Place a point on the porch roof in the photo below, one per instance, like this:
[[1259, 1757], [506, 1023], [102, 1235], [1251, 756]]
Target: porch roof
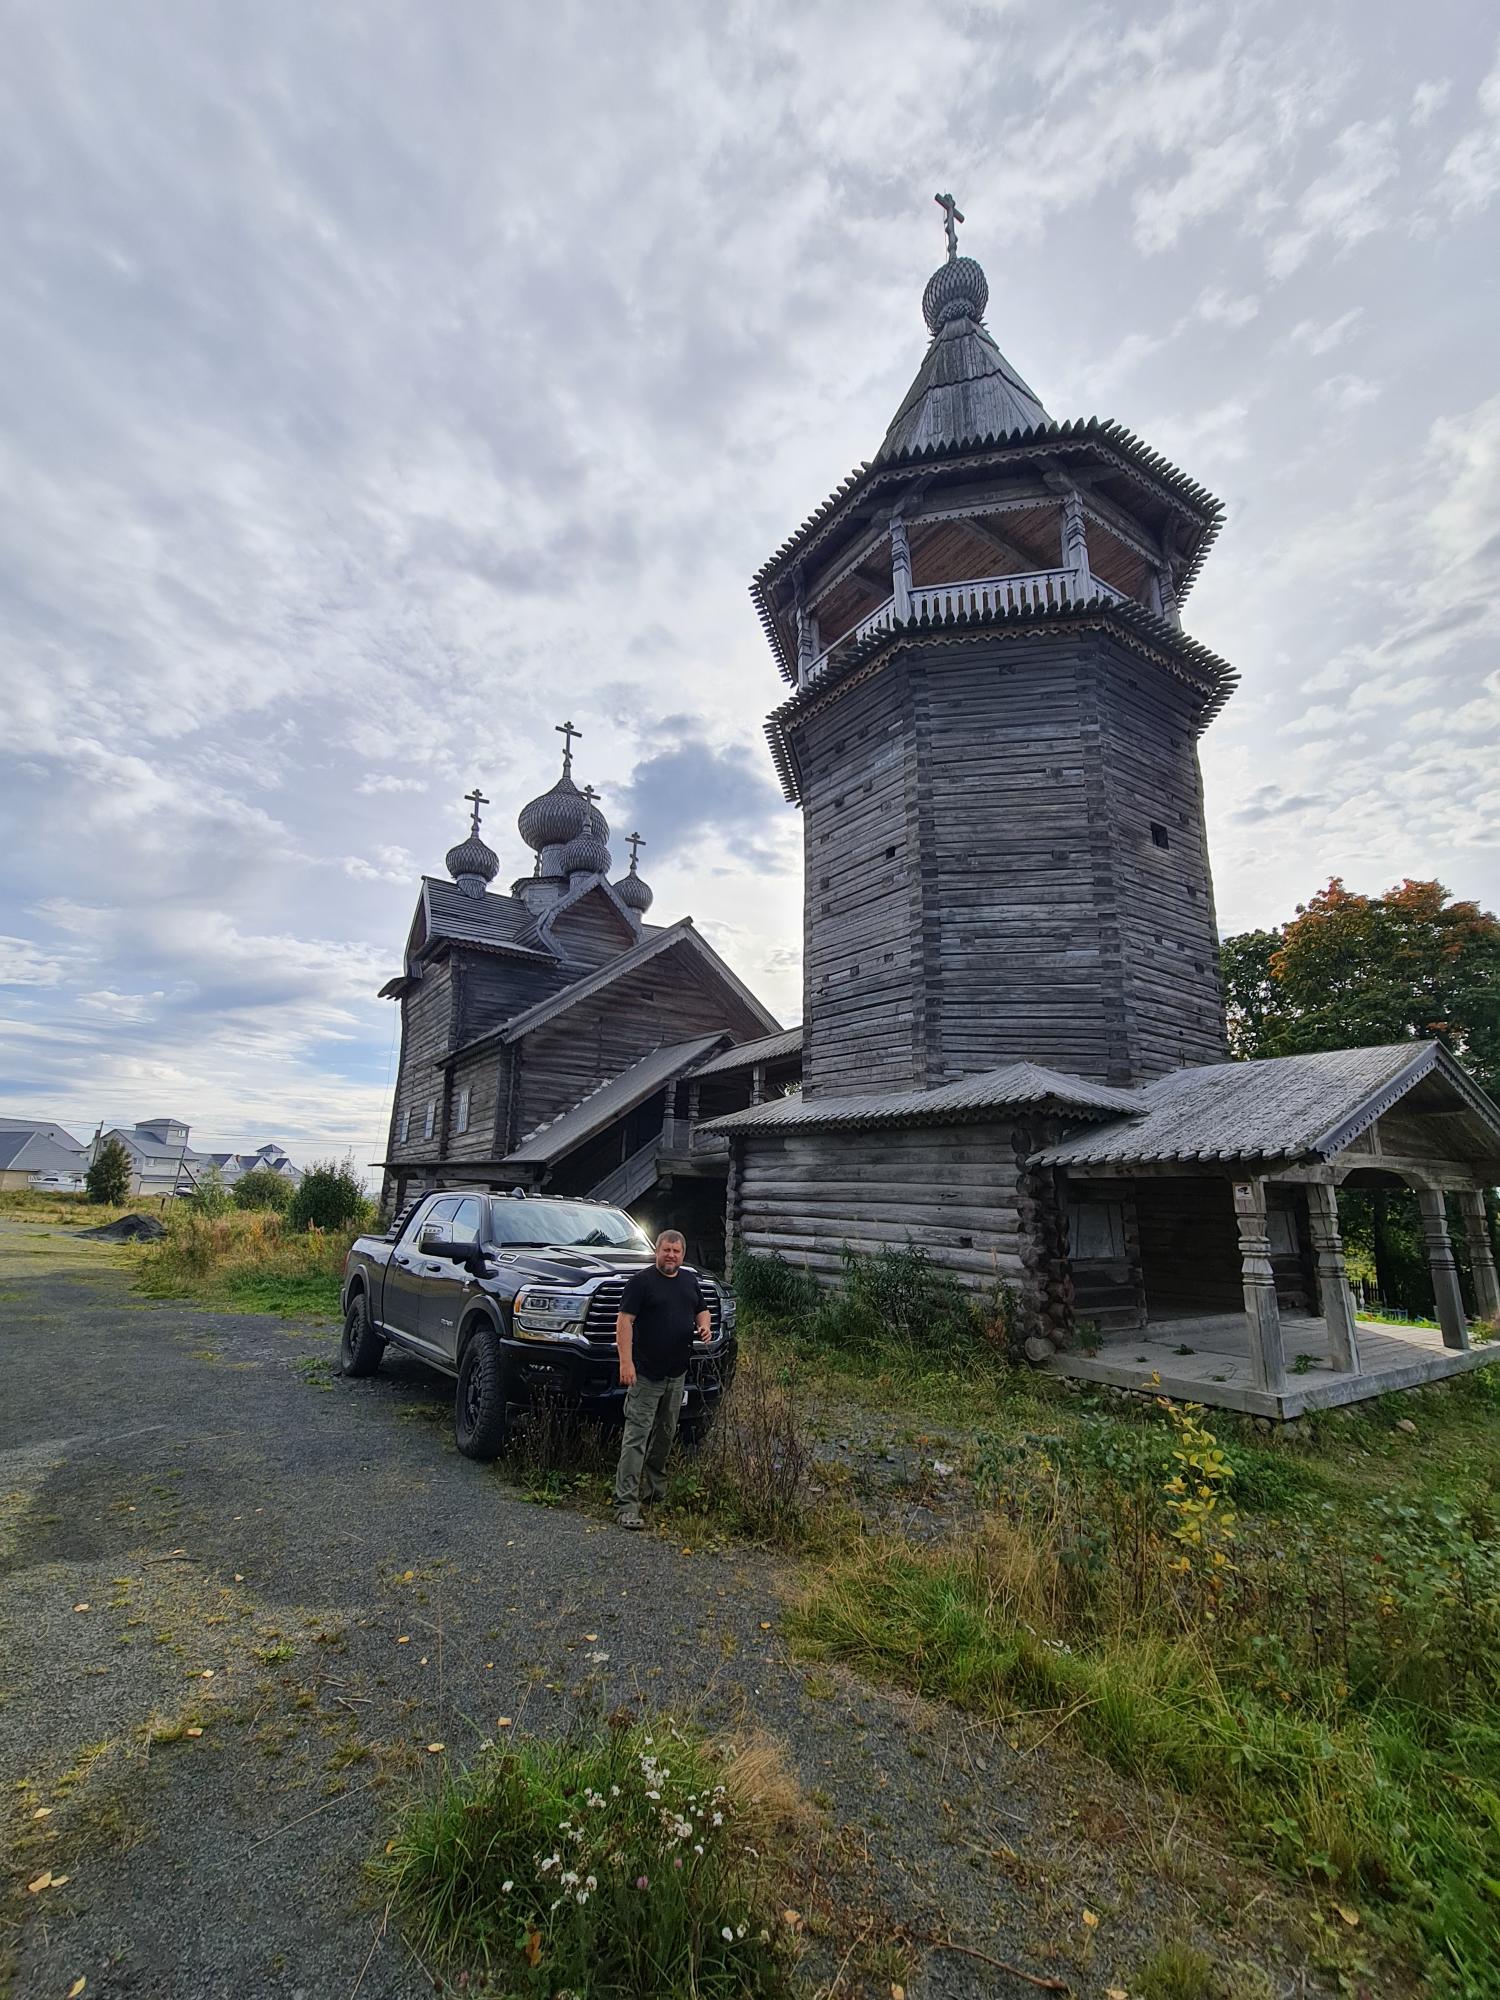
[[1305, 1107], [1013, 1087], [612, 1100]]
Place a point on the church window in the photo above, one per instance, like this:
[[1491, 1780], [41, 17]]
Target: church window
[[405, 1126], [1159, 835], [890, 854], [429, 1118], [461, 1111]]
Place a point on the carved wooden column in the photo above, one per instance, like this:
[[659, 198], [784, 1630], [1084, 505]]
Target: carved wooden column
[[808, 647], [1166, 591], [758, 1083], [1075, 545], [1481, 1253], [1445, 1292], [695, 1091], [900, 569], [1334, 1296], [1262, 1313]]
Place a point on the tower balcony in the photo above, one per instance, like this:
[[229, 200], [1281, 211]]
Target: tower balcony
[[969, 597]]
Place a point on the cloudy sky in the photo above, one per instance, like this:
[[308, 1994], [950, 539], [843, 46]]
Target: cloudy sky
[[382, 382]]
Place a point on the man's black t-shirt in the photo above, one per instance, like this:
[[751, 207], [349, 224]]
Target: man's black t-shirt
[[665, 1311]]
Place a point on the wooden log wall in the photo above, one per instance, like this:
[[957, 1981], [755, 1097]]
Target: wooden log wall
[[591, 932], [426, 1036], [982, 880], [957, 1192]]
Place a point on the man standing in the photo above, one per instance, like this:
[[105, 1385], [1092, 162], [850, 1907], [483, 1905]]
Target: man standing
[[660, 1311]]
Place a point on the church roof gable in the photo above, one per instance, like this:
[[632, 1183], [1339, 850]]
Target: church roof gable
[[612, 1099]]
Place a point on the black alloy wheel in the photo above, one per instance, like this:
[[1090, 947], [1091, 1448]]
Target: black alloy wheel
[[361, 1347], [481, 1413]]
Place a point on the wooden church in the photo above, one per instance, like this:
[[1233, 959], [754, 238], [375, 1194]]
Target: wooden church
[[1014, 1040], [554, 1038]]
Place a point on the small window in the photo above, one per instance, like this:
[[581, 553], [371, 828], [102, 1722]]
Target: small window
[[405, 1126], [430, 1118], [1159, 835], [890, 854], [461, 1111]]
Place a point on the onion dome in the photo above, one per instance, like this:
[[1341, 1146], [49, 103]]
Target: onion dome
[[631, 890], [472, 864], [956, 290], [557, 817], [588, 853]]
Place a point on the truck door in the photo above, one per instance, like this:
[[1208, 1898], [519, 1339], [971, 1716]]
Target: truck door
[[407, 1273], [447, 1287]]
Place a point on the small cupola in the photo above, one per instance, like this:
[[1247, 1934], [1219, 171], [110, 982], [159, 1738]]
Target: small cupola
[[473, 864], [588, 852], [561, 814], [632, 891]]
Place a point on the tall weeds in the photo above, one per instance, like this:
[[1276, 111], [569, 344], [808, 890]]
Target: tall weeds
[[251, 1259]]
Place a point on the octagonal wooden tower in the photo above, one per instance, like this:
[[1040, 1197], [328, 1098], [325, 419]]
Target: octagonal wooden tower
[[992, 734]]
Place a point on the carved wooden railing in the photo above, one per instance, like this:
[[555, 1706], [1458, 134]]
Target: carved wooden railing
[[974, 597]]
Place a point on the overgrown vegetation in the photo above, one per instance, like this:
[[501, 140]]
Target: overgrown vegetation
[[1326, 1676], [263, 1187], [629, 1861], [896, 1304], [246, 1261], [328, 1196]]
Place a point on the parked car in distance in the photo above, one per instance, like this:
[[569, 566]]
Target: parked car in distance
[[57, 1183], [516, 1297]]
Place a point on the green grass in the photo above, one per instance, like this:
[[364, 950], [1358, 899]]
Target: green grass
[[245, 1261], [632, 1861], [1333, 1691]]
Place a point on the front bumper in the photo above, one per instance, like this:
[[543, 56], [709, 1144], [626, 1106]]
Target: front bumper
[[588, 1379]]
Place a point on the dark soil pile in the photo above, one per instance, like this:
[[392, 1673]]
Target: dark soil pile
[[129, 1229]]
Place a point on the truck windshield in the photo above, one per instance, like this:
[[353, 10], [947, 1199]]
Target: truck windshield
[[578, 1223]]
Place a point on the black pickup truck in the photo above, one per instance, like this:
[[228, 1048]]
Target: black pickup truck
[[516, 1296]]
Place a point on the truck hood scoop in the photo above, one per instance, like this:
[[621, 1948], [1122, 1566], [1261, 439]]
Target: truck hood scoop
[[575, 1266]]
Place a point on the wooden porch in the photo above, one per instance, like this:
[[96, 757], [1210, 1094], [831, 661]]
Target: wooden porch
[[1207, 1358]]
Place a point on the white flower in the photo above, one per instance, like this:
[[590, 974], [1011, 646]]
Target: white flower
[[718, 1819], [739, 1930], [583, 1895], [589, 1882], [506, 1887], [727, 1934], [654, 1795], [697, 1847], [614, 1791]]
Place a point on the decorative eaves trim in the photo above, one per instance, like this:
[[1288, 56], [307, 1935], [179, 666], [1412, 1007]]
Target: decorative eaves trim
[[1337, 1137], [1189, 661]]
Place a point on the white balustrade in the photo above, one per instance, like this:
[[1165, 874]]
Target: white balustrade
[[975, 597]]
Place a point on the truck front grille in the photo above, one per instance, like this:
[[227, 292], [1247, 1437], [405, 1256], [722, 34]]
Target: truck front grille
[[604, 1307]]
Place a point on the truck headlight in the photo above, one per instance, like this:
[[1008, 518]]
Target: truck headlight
[[543, 1314], [727, 1309]]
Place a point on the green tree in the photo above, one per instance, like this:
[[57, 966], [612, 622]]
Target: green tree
[[262, 1188], [1350, 971], [329, 1196], [109, 1174]]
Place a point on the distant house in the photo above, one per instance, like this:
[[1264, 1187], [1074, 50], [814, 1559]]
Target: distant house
[[33, 1147], [161, 1161], [265, 1159]]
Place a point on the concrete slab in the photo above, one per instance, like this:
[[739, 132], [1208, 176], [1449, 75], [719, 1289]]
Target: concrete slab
[[1205, 1358]]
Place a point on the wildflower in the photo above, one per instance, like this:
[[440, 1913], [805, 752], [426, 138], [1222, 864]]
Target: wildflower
[[654, 1795], [583, 1896], [718, 1819], [727, 1934], [676, 1860], [590, 1882], [506, 1887], [614, 1791], [697, 1847], [643, 1881], [740, 1929]]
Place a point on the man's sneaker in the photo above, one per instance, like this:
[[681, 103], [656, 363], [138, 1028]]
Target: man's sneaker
[[629, 1517]]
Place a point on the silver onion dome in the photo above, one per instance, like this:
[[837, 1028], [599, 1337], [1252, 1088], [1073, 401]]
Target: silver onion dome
[[557, 817], [956, 290], [473, 864], [587, 855], [634, 893]]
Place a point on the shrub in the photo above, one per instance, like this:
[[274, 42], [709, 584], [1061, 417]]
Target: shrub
[[247, 1260], [773, 1287], [628, 1861], [109, 1175], [263, 1188], [328, 1197], [209, 1196]]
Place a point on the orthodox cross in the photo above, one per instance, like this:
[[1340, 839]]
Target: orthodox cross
[[952, 213], [635, 843], [477, 799], [567, 732], [590, 794]]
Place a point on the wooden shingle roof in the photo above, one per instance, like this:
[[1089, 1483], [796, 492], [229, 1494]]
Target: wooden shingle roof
[[1013, 1087], [965, 390]]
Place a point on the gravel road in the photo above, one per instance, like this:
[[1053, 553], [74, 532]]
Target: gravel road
[[203, 1528]]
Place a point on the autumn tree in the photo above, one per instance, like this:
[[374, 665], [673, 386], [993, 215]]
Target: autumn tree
[[1350, 971]]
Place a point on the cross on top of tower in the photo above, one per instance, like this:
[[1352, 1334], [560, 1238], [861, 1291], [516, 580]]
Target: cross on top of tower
[[476, 799], [590, 794], [952, 214], [567, 732], [635, 843]]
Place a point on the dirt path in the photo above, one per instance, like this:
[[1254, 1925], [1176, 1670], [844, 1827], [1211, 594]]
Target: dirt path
[[304, 1571]]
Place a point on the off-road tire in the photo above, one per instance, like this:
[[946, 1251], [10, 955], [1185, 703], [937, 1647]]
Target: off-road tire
[[481, 1412], [361, 1347]]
